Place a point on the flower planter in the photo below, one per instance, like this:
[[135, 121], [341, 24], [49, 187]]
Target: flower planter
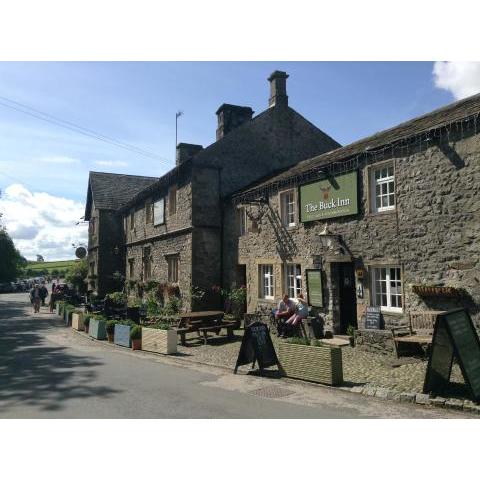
[[122, 335], [314, 364], [67, 317], [435, 291], [77, 320], [159, 341], [97, 329], [137, 344], [57, 309]]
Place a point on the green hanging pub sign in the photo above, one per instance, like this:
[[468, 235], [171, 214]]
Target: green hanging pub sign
[[335, 196]]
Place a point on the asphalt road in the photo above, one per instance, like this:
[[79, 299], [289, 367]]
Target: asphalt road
[[49, 371]]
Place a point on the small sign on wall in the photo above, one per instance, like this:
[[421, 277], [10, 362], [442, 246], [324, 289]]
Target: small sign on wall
[[373, 318], [314, 287]]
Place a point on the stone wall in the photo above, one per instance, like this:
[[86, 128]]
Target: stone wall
[[432, 234], [375, 341]]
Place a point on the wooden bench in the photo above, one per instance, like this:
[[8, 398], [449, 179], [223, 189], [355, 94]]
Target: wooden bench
[[216, 329], [419, 330]]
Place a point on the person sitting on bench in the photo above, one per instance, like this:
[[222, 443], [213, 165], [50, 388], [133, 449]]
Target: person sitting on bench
[[300, 313], [286, 307]]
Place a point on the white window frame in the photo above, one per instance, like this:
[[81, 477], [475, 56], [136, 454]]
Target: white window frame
[[242, 221], [159, 212], [387, 182], [172, 268], [293, 279], [266, 282], [387, 288], [288, 210]]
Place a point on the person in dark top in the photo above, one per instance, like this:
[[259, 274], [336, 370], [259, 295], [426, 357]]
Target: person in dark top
[[43, 293]]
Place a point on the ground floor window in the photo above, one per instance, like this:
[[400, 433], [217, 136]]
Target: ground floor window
[[265, 276], [293, 280], [131, 267], [387, 288], [147, 263], [172, 268]]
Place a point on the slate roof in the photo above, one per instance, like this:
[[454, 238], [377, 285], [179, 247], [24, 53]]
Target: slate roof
[[436, 119], [110, 191]]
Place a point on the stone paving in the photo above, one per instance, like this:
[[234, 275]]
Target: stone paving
[[359, 368]]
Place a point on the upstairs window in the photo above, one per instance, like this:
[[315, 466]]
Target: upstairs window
[[159, 212], [148, 212], [132, 219], [265, 277], [287, 208], [172, 200], [383, 189], [242, 221], [172, 268], [387, 288], [147, 263]]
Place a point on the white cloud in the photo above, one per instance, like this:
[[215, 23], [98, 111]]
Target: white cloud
[[462, 79], [59, 159], [40, 223], [111, 163]]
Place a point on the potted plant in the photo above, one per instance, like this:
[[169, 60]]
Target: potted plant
[[314, 363], [67, 314], [159, 338], [136, 337], [77, 320], [121, 335], [86, 322], [97, 327], [351, 335], [110, 329]]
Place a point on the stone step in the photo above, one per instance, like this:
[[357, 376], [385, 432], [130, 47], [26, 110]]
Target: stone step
[[336, 341]]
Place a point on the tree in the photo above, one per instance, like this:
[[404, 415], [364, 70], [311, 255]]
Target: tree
[[77, 275], [10, 258]]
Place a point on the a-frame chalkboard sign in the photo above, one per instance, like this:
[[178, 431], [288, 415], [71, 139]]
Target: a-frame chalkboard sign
[[454, 336], [257, 346]]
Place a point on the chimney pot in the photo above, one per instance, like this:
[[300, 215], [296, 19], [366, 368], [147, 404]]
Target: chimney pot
[[278, 89]]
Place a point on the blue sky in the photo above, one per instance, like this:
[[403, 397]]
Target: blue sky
[[135, 102]]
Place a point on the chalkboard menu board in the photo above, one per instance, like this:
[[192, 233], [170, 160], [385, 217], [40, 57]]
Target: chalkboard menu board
[[454, 335], [373, 318], [257, 346], [314, 287]]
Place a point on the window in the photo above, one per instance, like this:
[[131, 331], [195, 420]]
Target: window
[[147, 263], [383, 189], [148, 212], [159, 212], [242, 221], [172, 200], [387, 288], [131, 267], [173, 268], [132, 219], [265, 277], [287, 208], [293, 280]]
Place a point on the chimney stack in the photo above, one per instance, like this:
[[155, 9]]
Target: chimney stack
[[278, 89], [230, 117], [185, 151]]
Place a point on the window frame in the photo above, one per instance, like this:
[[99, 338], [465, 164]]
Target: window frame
[[262, 284], [375, 271], [148, 212], [173, 260], [284, 208], [145, 263], [373, 182], [242, 226], [131, 267], [160, 200], [297, 279]]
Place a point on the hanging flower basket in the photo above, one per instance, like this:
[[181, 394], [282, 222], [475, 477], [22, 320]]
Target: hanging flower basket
[[435, 291]]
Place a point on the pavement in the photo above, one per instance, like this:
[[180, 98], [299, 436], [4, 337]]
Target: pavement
[[49, 371]]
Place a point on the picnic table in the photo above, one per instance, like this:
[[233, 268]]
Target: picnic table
[[202, 323]]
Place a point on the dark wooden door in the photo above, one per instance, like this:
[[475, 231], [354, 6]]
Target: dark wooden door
[[347, 297]]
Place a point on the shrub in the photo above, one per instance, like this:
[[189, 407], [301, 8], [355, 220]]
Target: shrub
[[153, 306], [110, 327], [99, 318], [161, 326], [172, 307], [86, 320], [136, 332], [299, 341], [350, 330], [118, 298]]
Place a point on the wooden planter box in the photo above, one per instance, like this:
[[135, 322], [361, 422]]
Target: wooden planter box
[[97, 329], [159, 341], [77, 321], [67, 317], [121, 335], [315, 364], [57, 309]]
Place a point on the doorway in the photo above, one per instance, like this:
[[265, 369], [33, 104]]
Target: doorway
[[347, 296]]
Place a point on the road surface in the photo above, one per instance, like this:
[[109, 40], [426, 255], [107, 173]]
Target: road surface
[[49, 371]]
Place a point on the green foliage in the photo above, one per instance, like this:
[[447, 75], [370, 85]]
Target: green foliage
[[77, 275], [110, 327], [118, 298], [154, 308], [136, 332], [350, 330], [161, 326], [69, 308], [237, 297], [172, 306], [86, 320], [11, 262], [134, 302], [98, 318], [299, 341]]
